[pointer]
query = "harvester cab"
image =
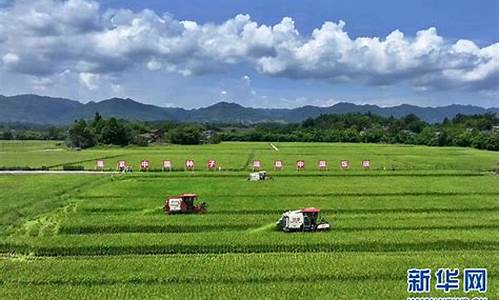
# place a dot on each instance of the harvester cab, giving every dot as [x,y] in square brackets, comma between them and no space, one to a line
[184,204]
[258,176]
[306,219]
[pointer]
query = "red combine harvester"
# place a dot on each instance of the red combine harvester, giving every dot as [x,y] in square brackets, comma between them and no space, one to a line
[184,204]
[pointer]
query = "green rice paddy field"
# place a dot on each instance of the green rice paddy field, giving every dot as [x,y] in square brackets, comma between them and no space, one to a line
[94,236]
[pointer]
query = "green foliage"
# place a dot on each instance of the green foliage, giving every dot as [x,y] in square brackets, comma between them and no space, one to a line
[139,140]
[186,135]
[100,131]
[114,133]
[19,131]
[193,134]
[122,133]
[214,138]
[81,136]
[478,131]
[7,135]
[467,131]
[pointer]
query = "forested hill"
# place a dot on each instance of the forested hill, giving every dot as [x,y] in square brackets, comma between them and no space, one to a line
[47,110]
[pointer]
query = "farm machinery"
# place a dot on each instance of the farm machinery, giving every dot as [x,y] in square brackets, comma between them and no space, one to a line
[258,176]
[306,219]
[184,204]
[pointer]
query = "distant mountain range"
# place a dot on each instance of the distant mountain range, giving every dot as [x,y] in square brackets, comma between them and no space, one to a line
[47,110]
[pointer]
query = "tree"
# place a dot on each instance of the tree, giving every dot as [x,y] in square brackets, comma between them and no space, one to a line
[80,135]
[185,135]
[114,133]
[405,137]
[374,135]
[55,133]
[492,141]
[464,139]
[214,139]
[427,137]
[413,123]
[7,135]
[98,123]
[443,138]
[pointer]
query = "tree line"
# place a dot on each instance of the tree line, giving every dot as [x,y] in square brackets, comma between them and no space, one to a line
[477,131]
[100,131]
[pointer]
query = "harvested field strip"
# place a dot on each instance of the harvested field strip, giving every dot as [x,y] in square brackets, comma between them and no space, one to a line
[83,250]
[208,280]
[114,228]
[187,267]
[290,187]
[278,212]
[102,197]
[358,211]
[112,209]
[181,173]
[317,195]
[409,228]
[211,280]
[78,223]
[364,194]
[235,242]
[337,195]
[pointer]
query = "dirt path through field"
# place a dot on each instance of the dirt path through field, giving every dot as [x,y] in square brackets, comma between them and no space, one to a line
[274,147]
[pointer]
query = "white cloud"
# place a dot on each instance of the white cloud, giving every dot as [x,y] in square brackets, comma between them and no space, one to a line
[45,37]
[153,65]
[426,60]
[41,84]
[89,80]
[10,58]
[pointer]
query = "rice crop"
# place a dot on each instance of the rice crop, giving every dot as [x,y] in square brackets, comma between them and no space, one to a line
[106,236]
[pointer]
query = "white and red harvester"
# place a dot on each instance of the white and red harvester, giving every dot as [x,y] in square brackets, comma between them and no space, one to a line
[306,219]
[184,204]
[258,176]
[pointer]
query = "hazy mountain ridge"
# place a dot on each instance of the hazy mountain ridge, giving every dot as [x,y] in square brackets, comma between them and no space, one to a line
[47,110]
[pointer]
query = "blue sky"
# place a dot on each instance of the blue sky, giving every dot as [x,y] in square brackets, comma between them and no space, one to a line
[256,53]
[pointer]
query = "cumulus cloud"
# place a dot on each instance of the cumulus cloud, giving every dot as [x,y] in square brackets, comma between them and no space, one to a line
[426,60]
[45,37]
